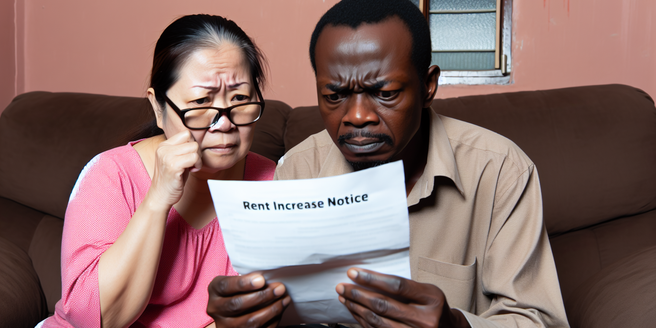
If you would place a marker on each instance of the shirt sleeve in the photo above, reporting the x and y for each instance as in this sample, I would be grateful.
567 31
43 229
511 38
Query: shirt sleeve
518 269
100 206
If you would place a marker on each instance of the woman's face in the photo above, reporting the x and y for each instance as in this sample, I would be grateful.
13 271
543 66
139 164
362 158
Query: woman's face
216 77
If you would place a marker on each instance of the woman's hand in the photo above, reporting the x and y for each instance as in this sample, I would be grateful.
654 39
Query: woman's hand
246 301
127 270
174 159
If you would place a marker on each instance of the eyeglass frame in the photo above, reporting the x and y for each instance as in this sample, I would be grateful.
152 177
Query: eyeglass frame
182 112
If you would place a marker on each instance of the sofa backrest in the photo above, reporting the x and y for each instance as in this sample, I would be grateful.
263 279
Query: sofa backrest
594 146
47 138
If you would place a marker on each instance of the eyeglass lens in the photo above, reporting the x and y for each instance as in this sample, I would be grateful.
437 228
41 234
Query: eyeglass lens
205 117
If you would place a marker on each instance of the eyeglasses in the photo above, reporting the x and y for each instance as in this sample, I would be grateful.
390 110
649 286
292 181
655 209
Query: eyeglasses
200 118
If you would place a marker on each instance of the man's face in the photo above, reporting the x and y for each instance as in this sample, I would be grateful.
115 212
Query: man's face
369 93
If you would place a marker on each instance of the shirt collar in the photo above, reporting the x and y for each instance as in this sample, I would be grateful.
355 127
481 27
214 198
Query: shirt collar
440 163
336 163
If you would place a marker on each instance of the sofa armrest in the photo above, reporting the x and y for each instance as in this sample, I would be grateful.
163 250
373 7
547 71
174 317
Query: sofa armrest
22 303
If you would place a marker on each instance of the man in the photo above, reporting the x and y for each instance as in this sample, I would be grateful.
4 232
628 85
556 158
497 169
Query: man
479 253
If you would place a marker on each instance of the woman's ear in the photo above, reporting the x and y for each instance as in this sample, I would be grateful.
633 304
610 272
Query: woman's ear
431 85
159 112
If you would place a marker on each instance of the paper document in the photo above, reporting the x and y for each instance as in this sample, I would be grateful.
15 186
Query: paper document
307 233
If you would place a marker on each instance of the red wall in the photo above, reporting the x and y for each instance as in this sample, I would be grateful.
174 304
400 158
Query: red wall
562 43
106 46
7 53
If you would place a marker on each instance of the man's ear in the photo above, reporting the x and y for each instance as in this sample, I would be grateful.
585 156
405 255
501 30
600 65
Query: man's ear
159 112
431 85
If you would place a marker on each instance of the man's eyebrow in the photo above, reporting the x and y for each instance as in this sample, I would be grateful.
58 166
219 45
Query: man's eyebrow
336 87
377 85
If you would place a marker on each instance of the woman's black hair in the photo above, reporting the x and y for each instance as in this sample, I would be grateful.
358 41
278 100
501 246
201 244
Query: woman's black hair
188 34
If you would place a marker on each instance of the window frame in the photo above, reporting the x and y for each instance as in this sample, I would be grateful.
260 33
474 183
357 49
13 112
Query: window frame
503 50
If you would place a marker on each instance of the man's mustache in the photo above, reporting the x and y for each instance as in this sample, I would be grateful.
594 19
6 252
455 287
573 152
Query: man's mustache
364 134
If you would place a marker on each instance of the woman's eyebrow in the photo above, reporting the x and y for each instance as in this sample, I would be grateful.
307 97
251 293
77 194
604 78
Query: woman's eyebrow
213 87
236 85
208 87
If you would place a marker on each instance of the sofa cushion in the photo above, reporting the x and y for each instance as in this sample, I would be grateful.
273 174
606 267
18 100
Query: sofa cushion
45 252
18 223
594 147
629 285
581 254
22 303
576 255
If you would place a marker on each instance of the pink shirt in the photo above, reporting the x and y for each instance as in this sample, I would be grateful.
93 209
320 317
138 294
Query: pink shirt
106 195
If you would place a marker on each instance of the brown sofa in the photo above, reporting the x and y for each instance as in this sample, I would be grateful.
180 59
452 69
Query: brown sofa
595 149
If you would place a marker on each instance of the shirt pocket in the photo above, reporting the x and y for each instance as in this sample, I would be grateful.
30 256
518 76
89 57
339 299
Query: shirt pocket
456 281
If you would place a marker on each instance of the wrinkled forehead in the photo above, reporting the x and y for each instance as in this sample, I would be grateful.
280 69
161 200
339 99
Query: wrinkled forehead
368 48
215 66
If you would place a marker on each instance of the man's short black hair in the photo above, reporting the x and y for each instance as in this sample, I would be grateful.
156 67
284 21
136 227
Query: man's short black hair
354 13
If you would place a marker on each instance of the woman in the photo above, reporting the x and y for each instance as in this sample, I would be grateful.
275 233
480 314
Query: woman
141 241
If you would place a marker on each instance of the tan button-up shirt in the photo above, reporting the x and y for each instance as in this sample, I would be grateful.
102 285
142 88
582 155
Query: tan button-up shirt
476 227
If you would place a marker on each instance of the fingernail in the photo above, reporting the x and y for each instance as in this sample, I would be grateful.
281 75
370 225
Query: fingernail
352 273
342 299
257 281
286 301
340 289
278 291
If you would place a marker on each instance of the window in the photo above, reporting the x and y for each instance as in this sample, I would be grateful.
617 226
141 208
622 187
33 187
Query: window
471 39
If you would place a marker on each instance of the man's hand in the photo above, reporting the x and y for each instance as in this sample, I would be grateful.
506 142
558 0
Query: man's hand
246 301
388 301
